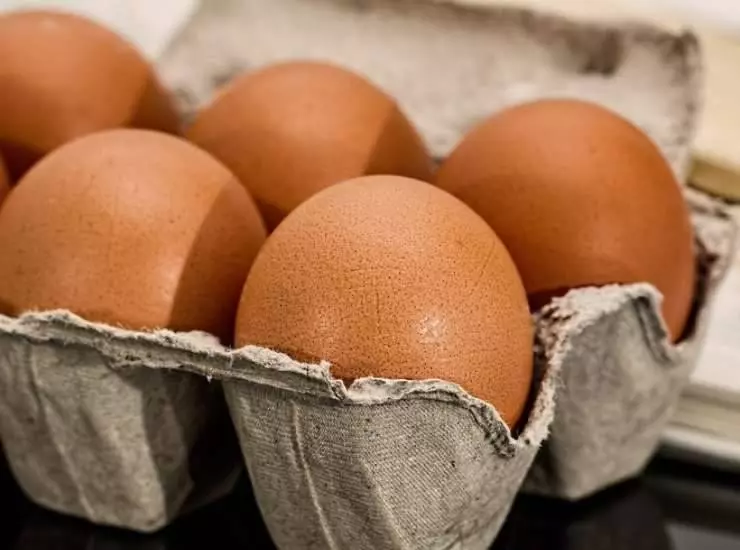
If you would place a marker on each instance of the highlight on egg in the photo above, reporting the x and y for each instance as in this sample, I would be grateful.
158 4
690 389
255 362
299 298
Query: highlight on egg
131 228
580 197
388 276
63 76
290 130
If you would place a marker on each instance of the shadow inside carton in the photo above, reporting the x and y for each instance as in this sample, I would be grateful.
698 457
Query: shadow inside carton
232 522
203 429
705 260
16 506
215 463
18 159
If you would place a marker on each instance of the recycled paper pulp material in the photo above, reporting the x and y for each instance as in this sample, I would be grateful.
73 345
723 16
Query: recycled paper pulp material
399 464
450 65
129 448
381 464
621 378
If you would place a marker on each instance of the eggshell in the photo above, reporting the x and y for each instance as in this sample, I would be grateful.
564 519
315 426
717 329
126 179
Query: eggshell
4 181
580 197
63 76
387 276
131 228
290 130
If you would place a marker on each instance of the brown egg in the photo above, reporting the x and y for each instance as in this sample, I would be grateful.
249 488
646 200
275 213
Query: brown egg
131 228
4 181
292 129
63 76
580 197
387 276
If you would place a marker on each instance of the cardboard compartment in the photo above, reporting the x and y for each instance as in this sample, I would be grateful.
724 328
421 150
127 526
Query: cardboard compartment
382 463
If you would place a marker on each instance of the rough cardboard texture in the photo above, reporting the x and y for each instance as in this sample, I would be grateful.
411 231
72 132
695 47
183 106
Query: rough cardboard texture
621 378
117 448
431 466
451 66
616 394
382 464
413 473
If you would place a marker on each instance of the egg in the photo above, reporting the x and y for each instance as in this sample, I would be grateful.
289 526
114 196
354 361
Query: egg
132 228
4 181
388 276
292 129
63 76
580 197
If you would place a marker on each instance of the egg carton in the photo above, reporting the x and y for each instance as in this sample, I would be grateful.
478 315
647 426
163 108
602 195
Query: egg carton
95 422
379 464
131 449
451 65
621 378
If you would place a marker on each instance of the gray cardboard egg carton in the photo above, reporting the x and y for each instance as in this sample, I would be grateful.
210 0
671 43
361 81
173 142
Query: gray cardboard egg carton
131 449
98 422
450 65
381 464
620 377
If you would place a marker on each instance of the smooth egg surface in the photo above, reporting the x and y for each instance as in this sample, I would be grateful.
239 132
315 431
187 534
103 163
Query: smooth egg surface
390 277
132 228
292 129
580 197
63 76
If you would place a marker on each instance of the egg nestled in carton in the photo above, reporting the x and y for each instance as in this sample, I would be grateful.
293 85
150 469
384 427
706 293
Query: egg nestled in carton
63 76
292 129
387 355
132 229
399 463
127 227
580 197
585 201
389 277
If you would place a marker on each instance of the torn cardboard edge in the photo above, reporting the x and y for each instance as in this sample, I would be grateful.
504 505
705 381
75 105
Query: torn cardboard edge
598 44
202 354
615 401
715 235
559 325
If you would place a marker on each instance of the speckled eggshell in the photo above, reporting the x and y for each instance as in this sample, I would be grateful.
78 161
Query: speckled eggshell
63 76
580 197
290 130
132 228
388 276
4 182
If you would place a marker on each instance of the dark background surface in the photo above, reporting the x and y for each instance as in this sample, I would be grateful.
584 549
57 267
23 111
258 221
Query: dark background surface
673 506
